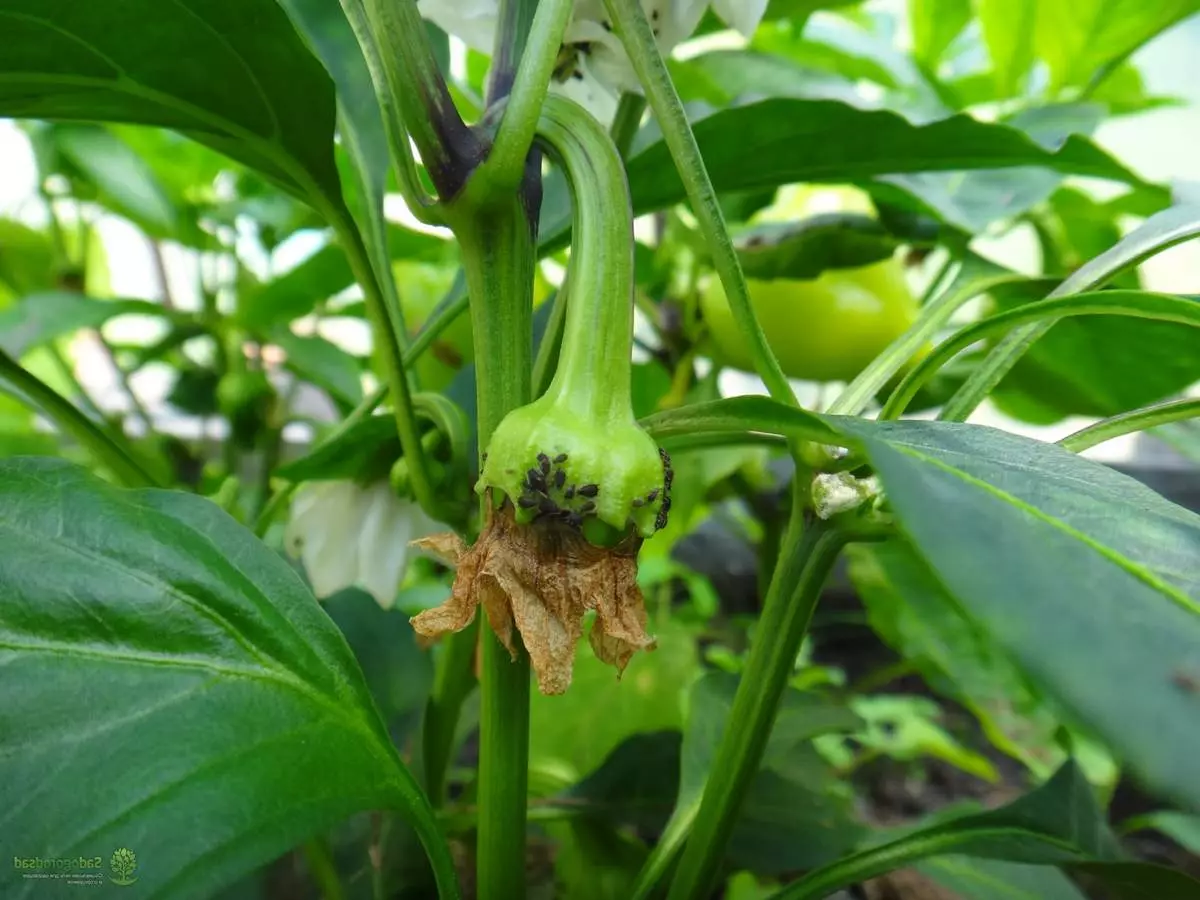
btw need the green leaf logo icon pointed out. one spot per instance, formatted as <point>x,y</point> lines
<point>123,865</point>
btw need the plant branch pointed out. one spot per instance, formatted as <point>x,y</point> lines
<point>1130,422</point>
<point>424,207</point>
<point>60,411</point>
<point>506,163</point>
<point>642,48</point>
<point>806,557</point>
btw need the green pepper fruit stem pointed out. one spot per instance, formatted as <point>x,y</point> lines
<point>637,36</point>
<point>594,370</point>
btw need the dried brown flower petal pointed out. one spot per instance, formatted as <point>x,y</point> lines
<point>543,578</point>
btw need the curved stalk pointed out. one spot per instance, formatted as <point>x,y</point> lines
<point>807,555</point>
<point>424,207</point>
<point>1131,422</point>
<point>935,314</point>
<point>642,48</point>
<point>1044,314</point>
<point>60,411</point>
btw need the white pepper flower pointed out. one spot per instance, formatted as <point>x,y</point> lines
<point>593,68</point>
<point>352,536</point>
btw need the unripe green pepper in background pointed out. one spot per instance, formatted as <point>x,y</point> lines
<point>825,329</point>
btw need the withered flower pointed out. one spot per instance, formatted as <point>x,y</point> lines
<point>543,579</point>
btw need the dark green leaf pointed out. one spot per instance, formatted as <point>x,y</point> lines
<point>231,73</point>
<point>806,249</point>
<point>973,200</point>
<point>1058,824</point>
<point>158,654</point>
<point>324,364</point>
<point>791,818</point>
<point>366,451</point>
<point>1080,38</point>
<point>794,140</point>
<point>398,672</point>
<point>325,274</point>
<point>1096,365</point>
<point>40,318</point>
<point>912,612</point>
<point>740,414</point>
<point>988,879</point>
<point>1084,576</point>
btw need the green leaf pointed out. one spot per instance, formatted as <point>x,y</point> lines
<point>973,200</point>
<point>935,24</point>
<point>1080,39</point>
<point>806,249</point>
<point>987,879</point>
<point>1084,576</point>
<point>649,697</point>
<point>324,364</point>
<point>1049,313</point>
<point>172,687</point>
<point>797,140</point>
<point>26,259</point>
<point>1008,30</point>
<point>40,318</point>
<point>126,183</point>
<point>325,274</point>
<point>787,803</point>
<point>740,414</point>
<point>915,616</point>
<point>1058,824</point>
<point>232,74</point>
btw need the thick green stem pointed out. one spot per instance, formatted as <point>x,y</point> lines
<point>506,162</point>
<point>642,48</point>
<point>805,559</point>
<point>498,242</point>
<point>514,33</point>
<point>60,411</point>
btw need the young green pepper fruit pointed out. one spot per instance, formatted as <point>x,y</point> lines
<point>576,456</point>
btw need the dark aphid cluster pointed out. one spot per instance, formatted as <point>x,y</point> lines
<point>545,490</point>
<point>668,476</point>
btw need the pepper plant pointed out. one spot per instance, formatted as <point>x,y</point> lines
<point>176,700</point>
